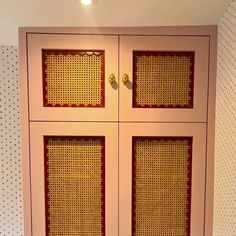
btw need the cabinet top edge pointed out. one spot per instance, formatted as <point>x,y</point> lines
<point>208,30</point>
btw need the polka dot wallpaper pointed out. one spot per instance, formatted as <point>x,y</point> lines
<point>225,150</point>
<point>11,206</point>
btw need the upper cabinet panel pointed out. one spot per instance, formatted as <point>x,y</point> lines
<point>74,77</point>
<point>165,78</point>
<point>68,77</point>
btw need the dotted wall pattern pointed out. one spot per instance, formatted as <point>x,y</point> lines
<point>225,149</point>
<point>11,196</point>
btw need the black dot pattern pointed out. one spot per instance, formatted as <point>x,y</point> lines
<point>11,212</point>
<point>225,149</point>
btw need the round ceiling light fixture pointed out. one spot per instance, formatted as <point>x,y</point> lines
<point>87,2</point>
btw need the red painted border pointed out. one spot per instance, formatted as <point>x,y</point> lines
<point>73,52</point>
<point>174,138</point>
<point>190,54</point>
<point>46,139</point>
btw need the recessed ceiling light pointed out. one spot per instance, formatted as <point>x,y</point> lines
<point>87,2</point>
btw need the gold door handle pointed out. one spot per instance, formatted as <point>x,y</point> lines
<point>125,79</point>
<point>112,79</point>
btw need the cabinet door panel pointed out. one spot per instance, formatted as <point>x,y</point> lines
<point>162,179</point>
<point>74,176</point>
<point>168,78</point>
<point>69,77</point>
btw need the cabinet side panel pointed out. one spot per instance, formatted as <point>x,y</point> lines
<point>211,135</point>
<point>24,125</point>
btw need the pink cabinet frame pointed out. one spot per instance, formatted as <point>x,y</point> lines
<point>32,112</point>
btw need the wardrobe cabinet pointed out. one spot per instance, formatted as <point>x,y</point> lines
<point>118,130</point>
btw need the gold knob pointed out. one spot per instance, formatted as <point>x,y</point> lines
<point>112,79</point>
<point>125,79</point>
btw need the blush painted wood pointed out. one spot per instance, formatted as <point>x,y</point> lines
<point>37,42</point>
<point>198,45</point>
<point>198,133</point>
<point>118,121</point>
<point>41,129</point>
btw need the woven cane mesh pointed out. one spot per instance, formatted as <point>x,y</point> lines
<point>161,187</point>
<point>73,78</point>
<point>74,187</point>
<point>163,79</point>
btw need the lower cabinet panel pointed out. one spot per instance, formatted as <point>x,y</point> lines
<point>76,188</point>
<point>162,179</point>
<point>74,176</point>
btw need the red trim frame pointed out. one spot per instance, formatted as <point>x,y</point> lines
<point>46,139</point>
<point>166,138</point>
<point>190,54</point>
<point>99,53</point>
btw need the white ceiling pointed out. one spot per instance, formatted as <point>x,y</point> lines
<point>15,13</point>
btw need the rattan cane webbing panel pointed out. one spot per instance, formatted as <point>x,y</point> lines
<point>163,79</point>
<point>75,186</point>
<point>161,186</point>
<point>73,78</point>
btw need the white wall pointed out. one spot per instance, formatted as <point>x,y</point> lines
<point>225,155</point>
<point>15,13</point>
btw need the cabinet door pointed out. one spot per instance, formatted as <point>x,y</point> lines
<point>68,77</point>
<point>74,177</point>
<point>168,78</point>
<point>162,179</point>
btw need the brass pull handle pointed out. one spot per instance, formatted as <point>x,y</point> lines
<point>125,79</point>
<point>112,79</point>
